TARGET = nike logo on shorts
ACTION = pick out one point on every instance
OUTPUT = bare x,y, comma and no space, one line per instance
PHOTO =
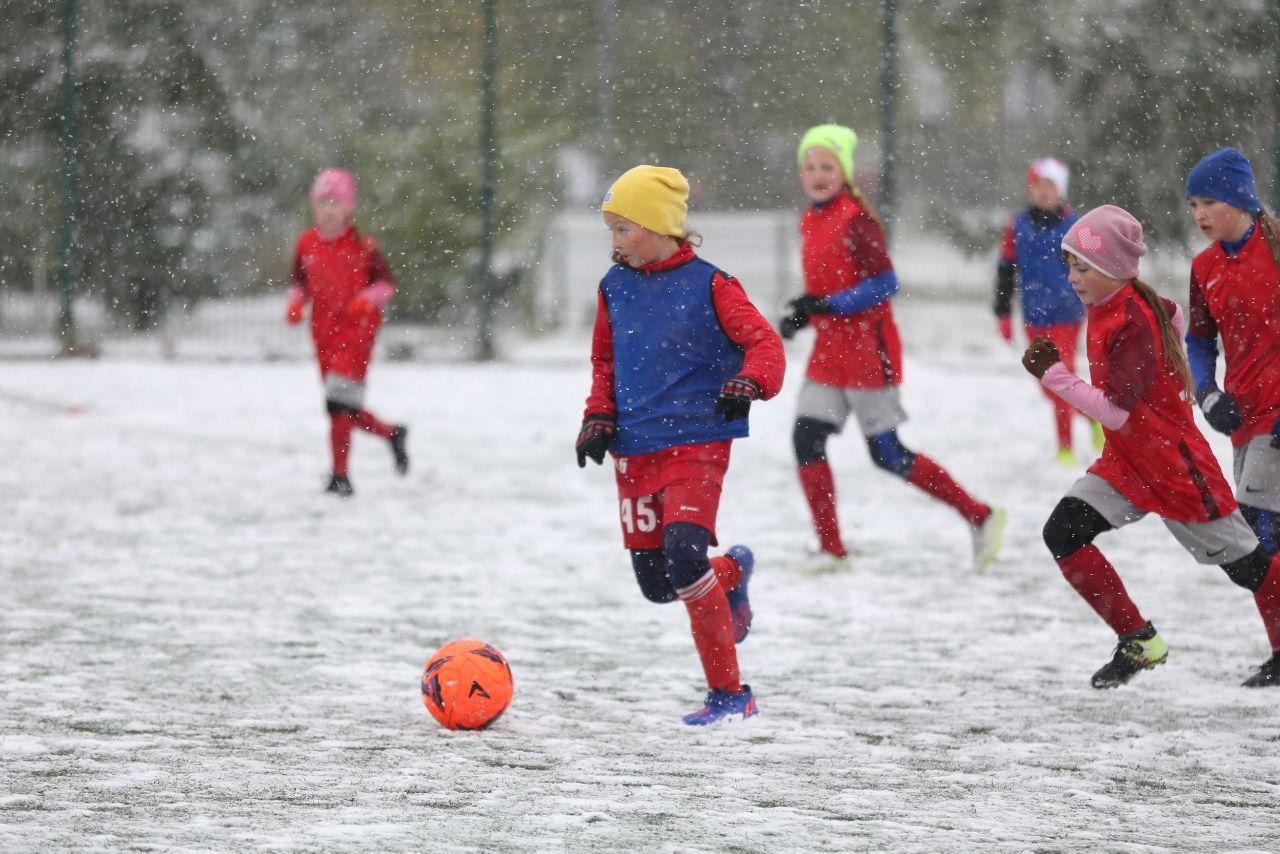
1215,554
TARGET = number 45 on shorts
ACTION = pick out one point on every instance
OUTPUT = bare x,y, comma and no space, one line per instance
639,515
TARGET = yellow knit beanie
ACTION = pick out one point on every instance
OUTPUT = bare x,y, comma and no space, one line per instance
655,197
838,139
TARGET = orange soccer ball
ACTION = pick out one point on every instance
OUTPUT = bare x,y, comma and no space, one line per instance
467,684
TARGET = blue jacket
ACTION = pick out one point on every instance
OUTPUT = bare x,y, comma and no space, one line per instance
670,358
1033,246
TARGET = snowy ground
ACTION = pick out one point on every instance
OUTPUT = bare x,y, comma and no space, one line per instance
199,651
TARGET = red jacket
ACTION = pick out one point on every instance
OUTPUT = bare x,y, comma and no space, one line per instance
1159,460
763,359
331,274
1238,297
841,246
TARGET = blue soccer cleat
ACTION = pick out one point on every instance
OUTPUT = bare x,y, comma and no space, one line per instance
723,704
739,604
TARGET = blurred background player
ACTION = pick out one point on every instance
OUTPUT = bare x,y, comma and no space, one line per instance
1155,460
1235,294
679,354
856,365
1031,264
348,283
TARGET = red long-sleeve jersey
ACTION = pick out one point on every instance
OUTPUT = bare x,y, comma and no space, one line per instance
1158,459
332,273
842,245
1238,297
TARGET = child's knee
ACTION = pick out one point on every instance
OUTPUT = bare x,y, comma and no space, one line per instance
1072,525
888,453
650,569
809,440
685,547
1251,570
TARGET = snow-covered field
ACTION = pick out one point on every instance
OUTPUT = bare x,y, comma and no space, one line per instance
199,651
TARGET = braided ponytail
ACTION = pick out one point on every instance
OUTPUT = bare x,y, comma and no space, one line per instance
1271,233
1173,352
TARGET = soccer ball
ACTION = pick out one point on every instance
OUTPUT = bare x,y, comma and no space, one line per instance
466,684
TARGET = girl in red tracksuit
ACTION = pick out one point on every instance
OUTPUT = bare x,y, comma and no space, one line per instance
345,278
856,366
678,355
1154,459
1235,294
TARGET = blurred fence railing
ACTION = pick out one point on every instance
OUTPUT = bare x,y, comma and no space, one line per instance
760,248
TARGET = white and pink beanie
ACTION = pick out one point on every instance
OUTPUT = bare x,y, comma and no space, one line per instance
1109,240
1054,170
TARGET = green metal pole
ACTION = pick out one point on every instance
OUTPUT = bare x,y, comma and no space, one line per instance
489,146
66,245
888,99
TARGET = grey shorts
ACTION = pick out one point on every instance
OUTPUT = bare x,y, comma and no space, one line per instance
1221,541
1257,471
877,409
344,390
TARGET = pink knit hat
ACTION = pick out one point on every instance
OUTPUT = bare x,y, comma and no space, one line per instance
335,185
1109,240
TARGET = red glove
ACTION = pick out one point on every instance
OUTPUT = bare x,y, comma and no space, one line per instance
360,307
1004,323
293,314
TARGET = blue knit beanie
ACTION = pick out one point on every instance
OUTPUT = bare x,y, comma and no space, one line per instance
1226,176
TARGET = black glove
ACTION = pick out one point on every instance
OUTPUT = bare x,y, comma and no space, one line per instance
1275,434
791,324
1040,356
735,397
1221,411
808,304
595,437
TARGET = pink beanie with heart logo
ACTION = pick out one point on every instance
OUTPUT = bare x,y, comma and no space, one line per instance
335,185
1109,240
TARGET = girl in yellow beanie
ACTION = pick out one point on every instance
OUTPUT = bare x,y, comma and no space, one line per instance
679,353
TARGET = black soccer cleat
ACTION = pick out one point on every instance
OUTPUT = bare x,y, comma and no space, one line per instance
1268,675
1138,650
340,485
398,436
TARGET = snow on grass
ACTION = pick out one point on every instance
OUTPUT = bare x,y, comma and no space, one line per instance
200,651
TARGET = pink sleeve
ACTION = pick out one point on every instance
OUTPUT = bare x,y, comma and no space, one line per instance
379,293
1090,400
1179,322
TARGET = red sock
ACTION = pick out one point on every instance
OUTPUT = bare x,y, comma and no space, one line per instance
933,479
340,440
1268,599
712,632
1062,420
1095,579
728,573
820,490
369,422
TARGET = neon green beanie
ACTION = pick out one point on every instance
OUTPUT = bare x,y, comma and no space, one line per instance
838,138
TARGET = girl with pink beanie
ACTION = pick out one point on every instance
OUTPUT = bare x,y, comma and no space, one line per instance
344,277
1155,460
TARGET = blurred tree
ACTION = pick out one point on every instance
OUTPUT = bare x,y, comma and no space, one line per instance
1154,85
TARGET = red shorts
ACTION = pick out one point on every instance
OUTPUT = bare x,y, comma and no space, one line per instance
680,484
